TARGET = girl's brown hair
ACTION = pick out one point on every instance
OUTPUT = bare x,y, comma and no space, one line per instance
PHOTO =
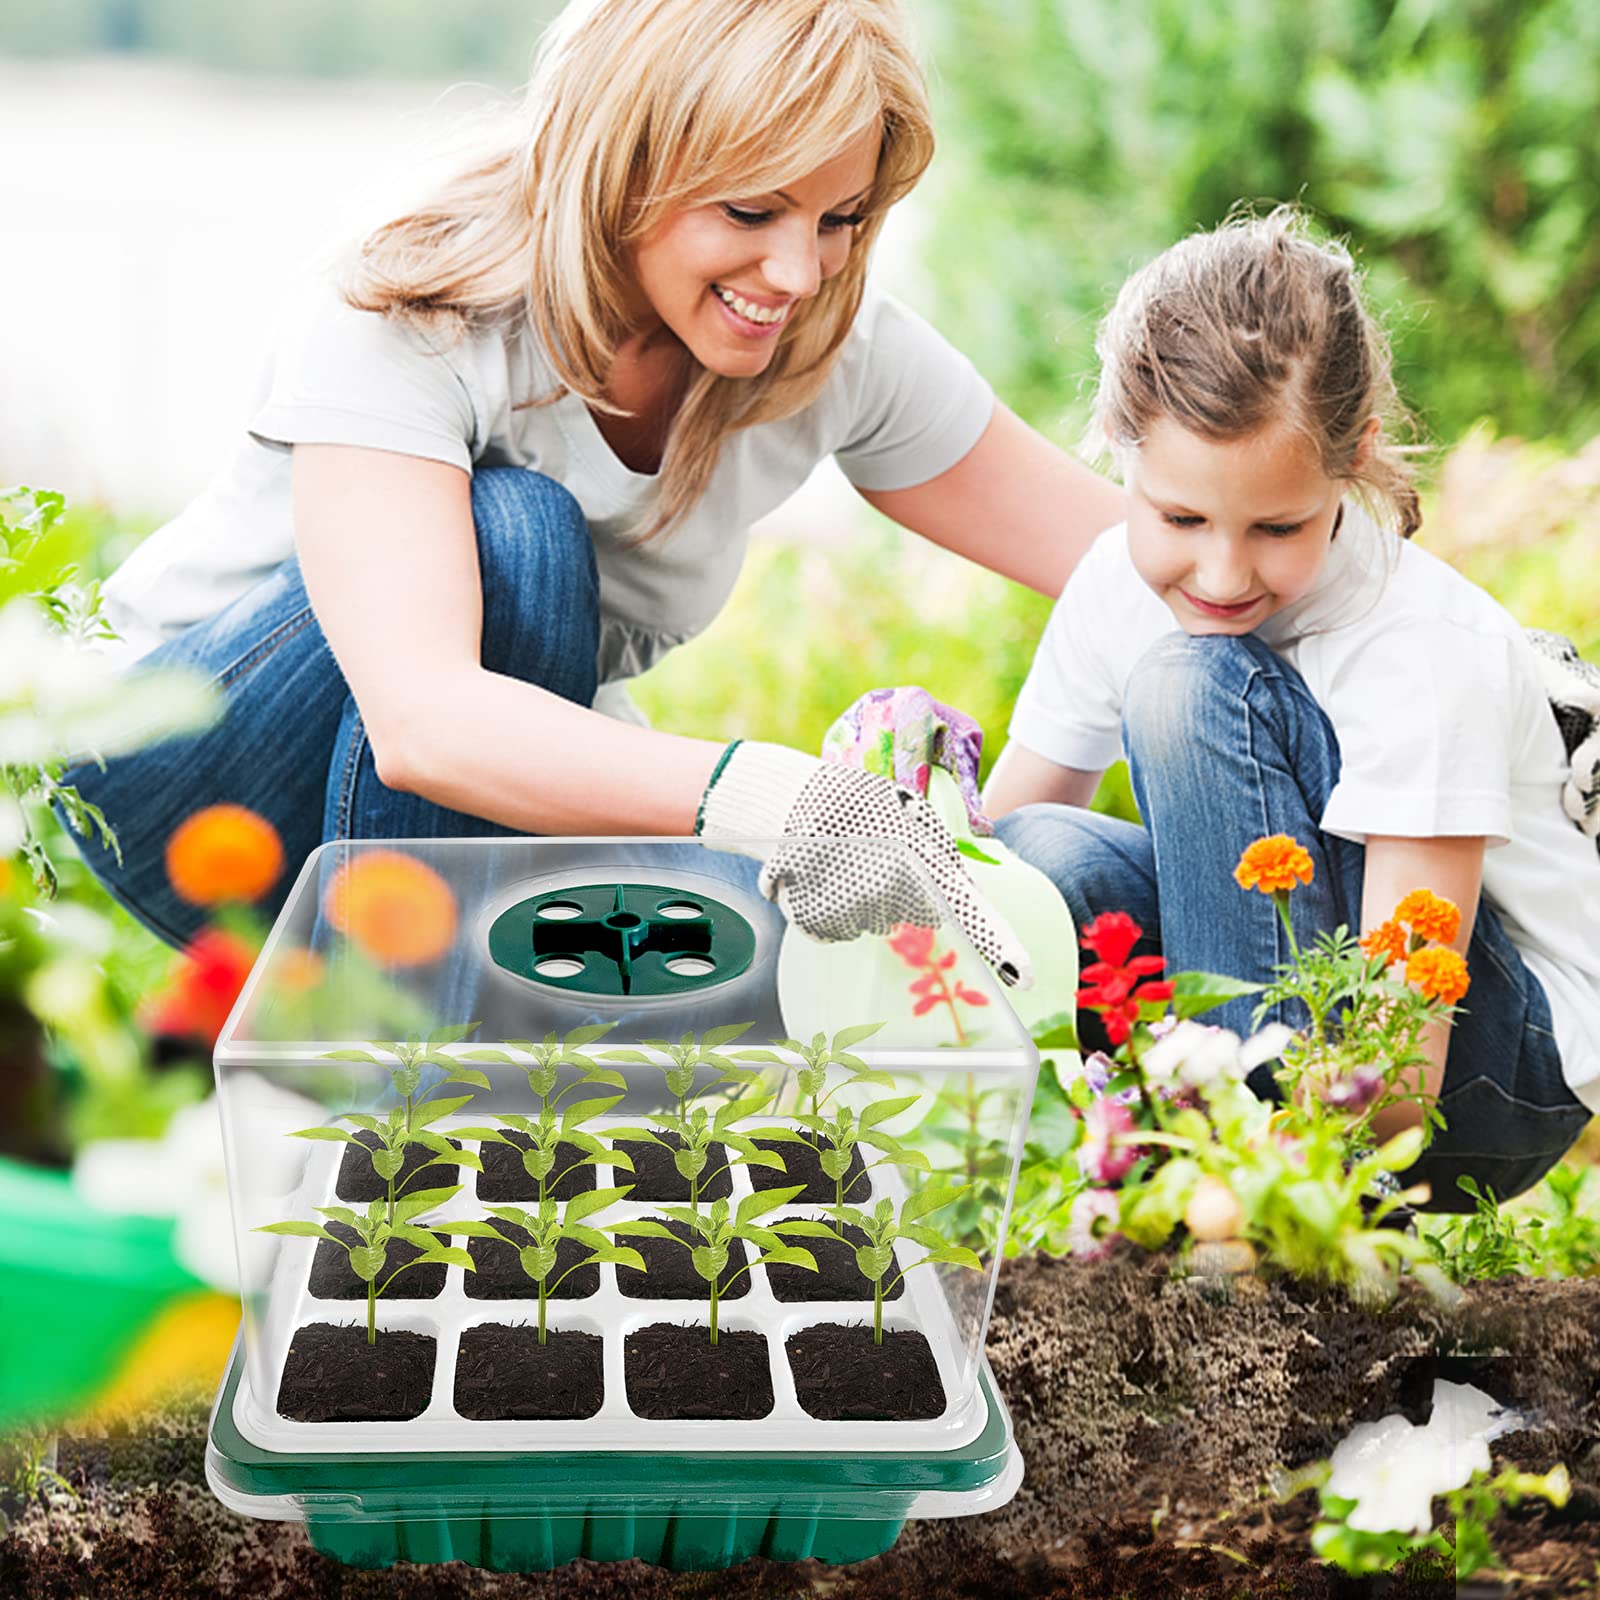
1252,323
636,108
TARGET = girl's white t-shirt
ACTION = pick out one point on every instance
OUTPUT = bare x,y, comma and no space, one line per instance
1443,726
900,406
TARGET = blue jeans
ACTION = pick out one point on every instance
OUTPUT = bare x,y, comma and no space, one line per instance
291,744
1225,744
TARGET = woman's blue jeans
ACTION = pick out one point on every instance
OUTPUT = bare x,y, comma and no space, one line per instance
1225,744
291,744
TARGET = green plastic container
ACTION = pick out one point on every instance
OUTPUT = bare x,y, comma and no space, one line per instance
77,1288
531,1512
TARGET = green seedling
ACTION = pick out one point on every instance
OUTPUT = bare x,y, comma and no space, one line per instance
835,1138
876,1257
717,1230
551,1056
407,1123
546,1134
812,1075
689,1055
375,1229
699,1130
546,1229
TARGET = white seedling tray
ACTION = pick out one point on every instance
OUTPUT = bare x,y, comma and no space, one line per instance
922,1305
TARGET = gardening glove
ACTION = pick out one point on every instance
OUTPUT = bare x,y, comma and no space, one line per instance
822,881
1573,689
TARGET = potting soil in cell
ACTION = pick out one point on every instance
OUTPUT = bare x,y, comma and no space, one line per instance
504,1372
655,1175
675,1371
505,1180
333,1277
842,1374
803,1165
838,1276
498,1273
358,1179
669,1272
333,1375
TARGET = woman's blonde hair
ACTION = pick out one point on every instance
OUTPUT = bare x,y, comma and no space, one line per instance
1251,323
637,108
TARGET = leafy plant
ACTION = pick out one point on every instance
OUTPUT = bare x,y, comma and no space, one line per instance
407,1124
835,1138
882,1227
27,1469
689,1055
546,1229
716,1230
376,1227
811,1076
1560,1239
697,1132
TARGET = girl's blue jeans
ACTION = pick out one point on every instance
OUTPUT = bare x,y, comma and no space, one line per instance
291,744
1225,744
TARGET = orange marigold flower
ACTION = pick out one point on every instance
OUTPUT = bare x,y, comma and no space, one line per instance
223,853
1388,940
297,970
1429,916
1439,973
1273,864
394,907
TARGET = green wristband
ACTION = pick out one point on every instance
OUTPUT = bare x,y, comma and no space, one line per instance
716,772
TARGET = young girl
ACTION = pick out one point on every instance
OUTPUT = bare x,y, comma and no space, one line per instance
509,461
1272,660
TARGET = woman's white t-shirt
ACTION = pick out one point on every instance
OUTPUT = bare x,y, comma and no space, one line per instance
900,406
1443,726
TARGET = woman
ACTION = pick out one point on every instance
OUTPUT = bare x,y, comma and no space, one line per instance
511,464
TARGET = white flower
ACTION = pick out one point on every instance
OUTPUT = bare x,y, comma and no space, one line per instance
1393,1470
1196,1055
182,1175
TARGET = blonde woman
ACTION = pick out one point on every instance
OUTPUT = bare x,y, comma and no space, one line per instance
509,461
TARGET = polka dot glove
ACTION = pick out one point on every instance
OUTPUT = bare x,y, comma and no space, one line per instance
830,883
1573,688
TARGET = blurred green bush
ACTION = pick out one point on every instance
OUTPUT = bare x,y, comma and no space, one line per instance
1454,144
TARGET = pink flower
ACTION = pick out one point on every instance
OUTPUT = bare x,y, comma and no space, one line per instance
1355,1091
1091,1224
913,944
1101,1160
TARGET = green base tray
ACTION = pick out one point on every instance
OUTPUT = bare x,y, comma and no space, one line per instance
528,1513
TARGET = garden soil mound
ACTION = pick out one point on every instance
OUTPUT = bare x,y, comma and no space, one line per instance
1151,1412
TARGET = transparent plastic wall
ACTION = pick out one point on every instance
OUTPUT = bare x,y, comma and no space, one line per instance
435,1028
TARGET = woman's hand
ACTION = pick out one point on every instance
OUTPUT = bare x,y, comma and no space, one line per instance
825,876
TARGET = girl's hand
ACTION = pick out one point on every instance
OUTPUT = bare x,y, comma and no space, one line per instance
825,877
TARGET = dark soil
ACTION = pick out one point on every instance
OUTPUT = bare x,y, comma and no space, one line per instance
333,1278
333,1375
358,1181
802,1164
504,1372
676,1371
841,1375
655,1177
498,1273
669,1269
1149,1412
837,1276
506,1181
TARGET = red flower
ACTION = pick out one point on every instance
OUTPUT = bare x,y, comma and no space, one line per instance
913,944
196,1002
1112,936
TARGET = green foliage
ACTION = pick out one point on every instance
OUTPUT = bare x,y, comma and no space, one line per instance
689,1055
1454,145
711,1233
547,1227
546,1134
876,1258
835,1140
375,1228
700,1129
1551,1233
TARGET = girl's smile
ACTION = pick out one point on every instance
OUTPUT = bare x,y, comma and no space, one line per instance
1228,532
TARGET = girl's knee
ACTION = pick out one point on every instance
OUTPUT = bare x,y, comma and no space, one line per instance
523,517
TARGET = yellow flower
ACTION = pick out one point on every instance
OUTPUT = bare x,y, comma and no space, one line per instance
1429,916
1388,940
223,853
1273,864
1439,973
393,906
